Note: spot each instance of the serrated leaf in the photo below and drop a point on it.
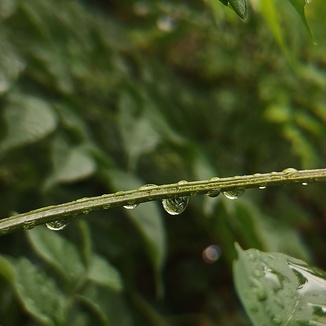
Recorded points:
(38, 293)
(278, 289)
(299, 7)
(103, 273)
(240, 7)
(58, 252)
(28, 119)
(146, 218)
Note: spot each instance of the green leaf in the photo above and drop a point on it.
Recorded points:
(240, 7)
(278, 289)
(138, 133)
(146, 217)
(36, 291)
(28, 120)
(299, 7)
(11, 64)
(69, 163)
(109, 306)
(58, 252)
(225, 2)
(103, 273)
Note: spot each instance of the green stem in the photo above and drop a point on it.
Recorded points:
(85, 205)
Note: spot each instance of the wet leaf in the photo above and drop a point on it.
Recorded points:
(278, 289)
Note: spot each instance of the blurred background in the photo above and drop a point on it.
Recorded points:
(100, 96)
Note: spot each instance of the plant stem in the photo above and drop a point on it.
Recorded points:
(144, 194)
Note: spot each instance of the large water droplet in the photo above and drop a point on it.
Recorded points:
(234, 193)
(289, 171)
(310, 279)
(214, 193)
(58, 224)
(182, 182)
(175, 205)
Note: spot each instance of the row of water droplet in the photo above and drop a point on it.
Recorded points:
(174, 205)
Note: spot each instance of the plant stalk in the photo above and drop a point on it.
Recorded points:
(145, 194)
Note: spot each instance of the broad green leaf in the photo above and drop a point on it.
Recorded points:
(103, 273)
(109, 306)
(146, 218)
(299, 7)
(28, 118)
(138, 133)
(69, 163)
(277, 289)
(240, 7)
(37, 292)
(58, 252)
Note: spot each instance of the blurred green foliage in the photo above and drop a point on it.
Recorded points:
(100, 96)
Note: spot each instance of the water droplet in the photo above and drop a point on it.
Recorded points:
(130, 206)
(29, 225)
(147, 186)
(257, 273)
(289, 171)
(261, 294)
(165, 24)
(214, 193)
(304, 183)
(175, 205)
(273, 279)
(277, 320)
(58, 224)
(262, 187)
(310, 279)
(214, 179)
(211, 254)
(182, 182)
(234, 193)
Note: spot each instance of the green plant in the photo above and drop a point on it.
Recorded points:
(98, 100)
